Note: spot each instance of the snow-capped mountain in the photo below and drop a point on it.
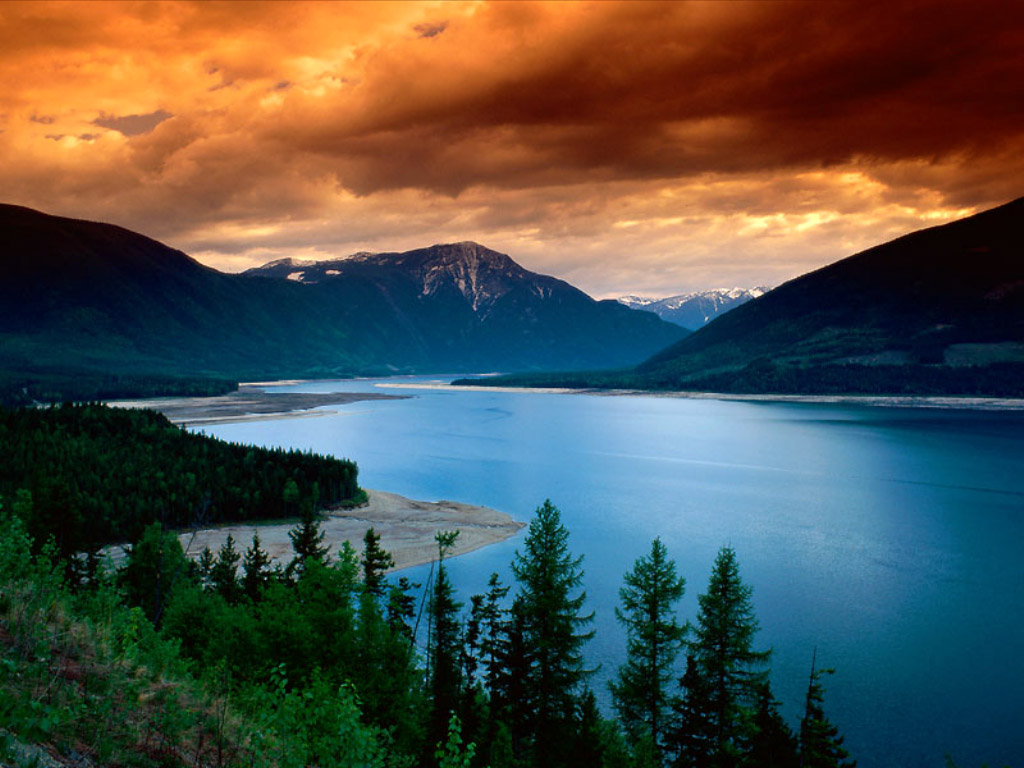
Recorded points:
(694, 310)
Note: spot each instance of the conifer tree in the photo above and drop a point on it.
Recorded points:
(770, 742)
(375, 562)
(694, 742)
(549, 603)
(821, 746)
(256, 570)
(307, 540)
(401, 607)
(727, 670)
(642, 693)
(224, 573)
(445, 640)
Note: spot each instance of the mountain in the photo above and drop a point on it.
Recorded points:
(945, 302)
(84, 296)
(694, 310)
(470, 308)
(939, 311)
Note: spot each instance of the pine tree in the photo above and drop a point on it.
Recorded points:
(224, 573)
(401, 607)
(770, 742)
(376, 561)
(727, 669)
(642, 692)
(307, 540)
(694, 741)
(549, 603)
(445, 640)
(256, 570)
(821, 746)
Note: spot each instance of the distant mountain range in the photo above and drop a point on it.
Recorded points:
(939, 311)
(694, 310)
(84, 296)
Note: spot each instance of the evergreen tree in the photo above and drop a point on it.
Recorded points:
(642, 693)
(224, 574)
(444, 645)
(375, 562)
(821, 746)
(256, 571)
(770, 742)
(307, 540)
(204, 566)
(549, 604)
(727, 669)
(694, 742)
(155, 563)
(401, 608)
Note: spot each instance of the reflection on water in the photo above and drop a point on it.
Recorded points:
(890, 539)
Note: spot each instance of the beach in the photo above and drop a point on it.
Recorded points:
(406, 527)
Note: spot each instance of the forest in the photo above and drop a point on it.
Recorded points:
(330, 660)
(98, 475)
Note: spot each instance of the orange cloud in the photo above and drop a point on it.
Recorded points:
(630, 147)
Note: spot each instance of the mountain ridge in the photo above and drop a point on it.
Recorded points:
(696, 309)
(937, 311)
(87, 296)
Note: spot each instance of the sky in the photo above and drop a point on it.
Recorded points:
(627, 147)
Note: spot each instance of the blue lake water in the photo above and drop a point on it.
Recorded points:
(891, 539)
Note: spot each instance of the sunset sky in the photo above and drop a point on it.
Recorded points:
(629, 147)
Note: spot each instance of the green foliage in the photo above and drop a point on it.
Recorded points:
(642, 692)
(376, 562)
(724, 671)
(444, 644)
(319, 725)
(21, 388)
(122, 469)
(155, 564)
(549, 606)
(821, 746)
(307, 540)
(452, 753)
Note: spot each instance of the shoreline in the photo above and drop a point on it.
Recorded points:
(406, 527)
(250, 402)
(945, 402)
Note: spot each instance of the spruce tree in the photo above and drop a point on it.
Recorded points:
(256, 571)
(770, 742)
(642, 693)
(821, 746)
(549, 603)
(727, 669)
(224, 573)
(376, 561)
(401, 607)
(444, 644)
(307, 540)
(694, 741)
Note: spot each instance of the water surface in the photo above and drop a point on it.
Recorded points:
(888, 538)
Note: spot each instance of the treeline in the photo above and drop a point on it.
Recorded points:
(326, 661)
(19, 388)
(765, 376)
(94, 475)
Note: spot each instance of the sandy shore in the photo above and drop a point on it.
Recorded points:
(250, 402)
(884, 401)
(406, 528)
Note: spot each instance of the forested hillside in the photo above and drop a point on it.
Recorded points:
(98, 475)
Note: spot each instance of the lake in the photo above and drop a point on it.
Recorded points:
(888, 538)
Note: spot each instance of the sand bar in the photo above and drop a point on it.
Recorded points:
(884, 401)
(250, 402)
(406, 528)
